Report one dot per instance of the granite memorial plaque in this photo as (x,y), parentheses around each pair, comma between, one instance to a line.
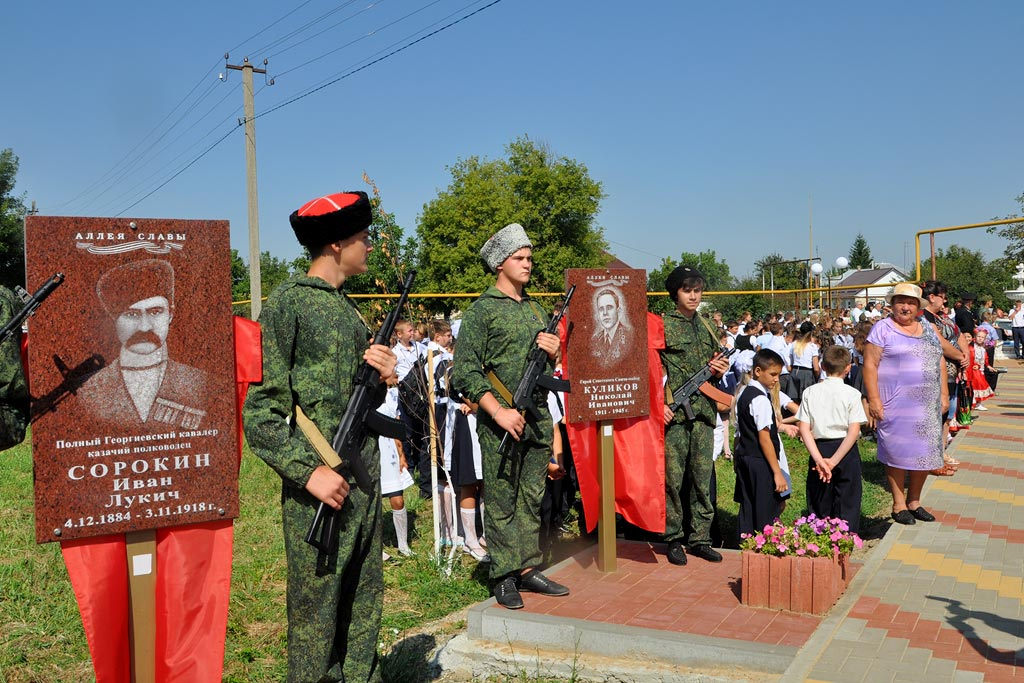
(132,375)
(607,349)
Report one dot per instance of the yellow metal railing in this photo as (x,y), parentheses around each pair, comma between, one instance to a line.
(933,231)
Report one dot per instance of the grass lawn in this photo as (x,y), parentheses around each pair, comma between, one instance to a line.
(41,637)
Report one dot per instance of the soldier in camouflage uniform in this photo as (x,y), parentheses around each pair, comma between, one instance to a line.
(13,389)
(689,344)
(498,330)
(313,342)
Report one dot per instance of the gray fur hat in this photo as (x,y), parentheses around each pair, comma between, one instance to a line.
(503,244)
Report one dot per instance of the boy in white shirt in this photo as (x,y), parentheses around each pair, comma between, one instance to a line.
(830,417)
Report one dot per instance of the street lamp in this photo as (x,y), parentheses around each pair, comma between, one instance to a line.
(817,269)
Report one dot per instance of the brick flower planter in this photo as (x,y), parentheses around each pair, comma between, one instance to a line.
(796,584)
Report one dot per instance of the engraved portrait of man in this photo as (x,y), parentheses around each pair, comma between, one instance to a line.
(613,334)
(143,386)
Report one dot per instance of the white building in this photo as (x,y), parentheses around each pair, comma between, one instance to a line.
(862,286)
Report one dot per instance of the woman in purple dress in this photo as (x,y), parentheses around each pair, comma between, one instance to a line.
(905,380)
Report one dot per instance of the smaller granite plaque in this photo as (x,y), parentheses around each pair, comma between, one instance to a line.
(607,348)
(131,365)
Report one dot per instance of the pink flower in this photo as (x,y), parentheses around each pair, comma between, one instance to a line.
(783,547)
(813,547)
(801,551)
(857,542)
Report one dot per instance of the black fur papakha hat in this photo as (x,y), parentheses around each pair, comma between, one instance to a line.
(503,244)
(331,218)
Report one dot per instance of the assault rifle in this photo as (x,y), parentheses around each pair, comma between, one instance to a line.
(681,396)
(534,376)
(360,421)
(32,302)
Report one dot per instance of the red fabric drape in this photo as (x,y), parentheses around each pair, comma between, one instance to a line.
(639,451)
(193,577)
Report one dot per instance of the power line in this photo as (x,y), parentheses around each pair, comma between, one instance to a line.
(271,25)
(360,38)
(117,172)
(117,164)
(376,61)
(145,181)
(137,160)
(307,25)
(180,171)
(318,88)
(321,32)
(629,246)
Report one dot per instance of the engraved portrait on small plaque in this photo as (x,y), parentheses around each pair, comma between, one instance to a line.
(607,349)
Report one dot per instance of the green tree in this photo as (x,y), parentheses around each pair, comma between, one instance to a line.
(778,272)
(860,253)
(12,227)
(273,271)
(1013,233)
(962,270)
(553,197)
(714,270)
(390,260)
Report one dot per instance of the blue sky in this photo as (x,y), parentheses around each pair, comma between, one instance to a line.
(710,125)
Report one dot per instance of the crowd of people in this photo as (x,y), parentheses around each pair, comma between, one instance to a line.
(900,369)
(896,368)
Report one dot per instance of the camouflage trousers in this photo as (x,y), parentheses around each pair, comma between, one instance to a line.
(334,618)
(688,467)
(513,491)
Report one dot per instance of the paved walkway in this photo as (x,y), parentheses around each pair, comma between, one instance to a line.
(935,602)
(942,601)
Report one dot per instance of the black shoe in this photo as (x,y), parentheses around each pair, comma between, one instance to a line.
(507,595)
(535,582)
(705,552)
(676,553)
(904,517)
(922,514)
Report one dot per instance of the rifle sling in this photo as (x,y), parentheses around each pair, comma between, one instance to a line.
(317,440)
(500,387)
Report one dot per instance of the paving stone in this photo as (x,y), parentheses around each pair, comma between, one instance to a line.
(940,670)
(961,676)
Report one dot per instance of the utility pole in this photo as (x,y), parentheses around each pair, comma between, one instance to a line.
(255,283)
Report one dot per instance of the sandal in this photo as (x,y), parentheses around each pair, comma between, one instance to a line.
(944,471)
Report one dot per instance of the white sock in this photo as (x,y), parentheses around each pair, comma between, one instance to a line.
(469,527)
(400,518)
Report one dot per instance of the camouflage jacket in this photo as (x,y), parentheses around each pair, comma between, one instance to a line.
(689,345)
(13,389)
(497,334)
(313,342)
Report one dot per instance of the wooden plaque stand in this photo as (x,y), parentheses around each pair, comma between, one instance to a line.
(606,510)
(141,549)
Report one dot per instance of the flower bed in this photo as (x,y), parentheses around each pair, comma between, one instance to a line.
(800,568)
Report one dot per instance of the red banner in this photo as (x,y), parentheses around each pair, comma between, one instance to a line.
(193,574)
(639,451)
